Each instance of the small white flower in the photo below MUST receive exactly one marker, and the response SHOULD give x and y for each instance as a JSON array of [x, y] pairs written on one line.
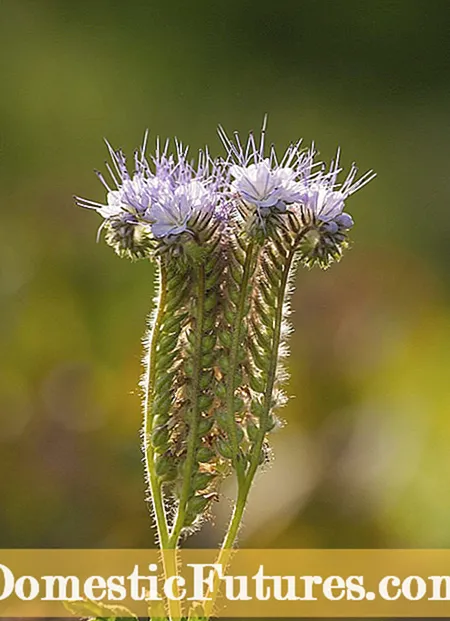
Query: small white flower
[[265, 182], [171, 212], [132, 197], [164, 194], [325, 197], [263, 186], [326, 204]]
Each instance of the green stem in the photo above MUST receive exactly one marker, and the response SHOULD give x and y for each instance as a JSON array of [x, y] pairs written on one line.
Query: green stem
[[169, 564], [149, 454], [246, 483], [244, 489], [194, 410], [234, 358], [271, 377]]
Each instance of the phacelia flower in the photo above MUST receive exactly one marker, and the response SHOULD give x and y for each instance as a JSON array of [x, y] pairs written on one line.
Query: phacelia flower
[[322, 203], [325, 198], [160, 200], [171, 212], [265, 183]]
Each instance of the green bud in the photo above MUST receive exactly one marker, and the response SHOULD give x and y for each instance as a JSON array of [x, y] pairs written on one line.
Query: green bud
[[222, 419], [205, 402], [221, 389], [212, 279], [209, 340], [225, 338], [257, 408], [235, 272], [256, 382], [224, 362], [175, 301], [209, 322], [234, 295], [205, 454], [173, 321], [188, 367], [239, 434], [224, 448], [272, 422], [201, 480], [229, 315], [165, 468], [239, 404], [197, 504], [211, 264], [168, 342], [160, 437], [210, 301], [205, 425], [252, 430], [193, 251], [208, 360], [164, 382], [206, 380], [191, 337], [160, 419], [258, 357]]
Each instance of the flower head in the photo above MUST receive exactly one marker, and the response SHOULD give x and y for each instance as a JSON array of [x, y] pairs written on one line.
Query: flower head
[[322, 204], [162, 197], [171, 211], [266, 183], [325, 198]]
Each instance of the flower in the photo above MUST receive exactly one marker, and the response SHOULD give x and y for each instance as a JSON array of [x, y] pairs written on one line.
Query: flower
[[171, 211], [261, 185], [321, 209], [162, 196], [325, 198], [128, 196], [264, 182]]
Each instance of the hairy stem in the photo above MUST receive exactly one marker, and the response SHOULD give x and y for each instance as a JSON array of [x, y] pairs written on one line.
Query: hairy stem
[[246, 482], [256, 453], [234, 358], [149, 454], [194, 410]]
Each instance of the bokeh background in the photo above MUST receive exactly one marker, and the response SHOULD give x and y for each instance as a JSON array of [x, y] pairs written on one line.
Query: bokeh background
[[364, 460]]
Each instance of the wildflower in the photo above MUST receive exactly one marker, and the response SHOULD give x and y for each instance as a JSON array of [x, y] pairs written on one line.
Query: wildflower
[[322, 203], [325, 198], [171, 212], [160, 200], [264, 182]]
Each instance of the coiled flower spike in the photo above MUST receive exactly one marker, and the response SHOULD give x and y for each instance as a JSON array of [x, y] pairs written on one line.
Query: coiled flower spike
[[262, 184], [167, 200], [322, 205]]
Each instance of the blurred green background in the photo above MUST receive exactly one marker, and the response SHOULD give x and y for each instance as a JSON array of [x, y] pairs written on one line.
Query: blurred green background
[[364, 460]]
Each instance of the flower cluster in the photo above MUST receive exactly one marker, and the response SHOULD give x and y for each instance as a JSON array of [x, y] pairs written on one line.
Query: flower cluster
[[226, 235], [160, 200], [165, 197]]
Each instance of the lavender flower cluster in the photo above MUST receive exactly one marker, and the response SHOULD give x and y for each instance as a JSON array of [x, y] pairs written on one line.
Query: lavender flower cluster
[[164, 198]]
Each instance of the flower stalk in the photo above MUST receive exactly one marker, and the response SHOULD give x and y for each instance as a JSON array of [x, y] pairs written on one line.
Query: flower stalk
[[226, 236], [193, 410], [148, 398]]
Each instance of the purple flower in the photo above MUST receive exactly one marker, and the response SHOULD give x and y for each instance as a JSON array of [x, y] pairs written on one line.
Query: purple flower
[[171, 211], [163, 194], [264, 182], [325, 197]]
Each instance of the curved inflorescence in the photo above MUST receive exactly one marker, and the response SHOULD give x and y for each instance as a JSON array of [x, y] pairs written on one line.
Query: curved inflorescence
[[226, 235]]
